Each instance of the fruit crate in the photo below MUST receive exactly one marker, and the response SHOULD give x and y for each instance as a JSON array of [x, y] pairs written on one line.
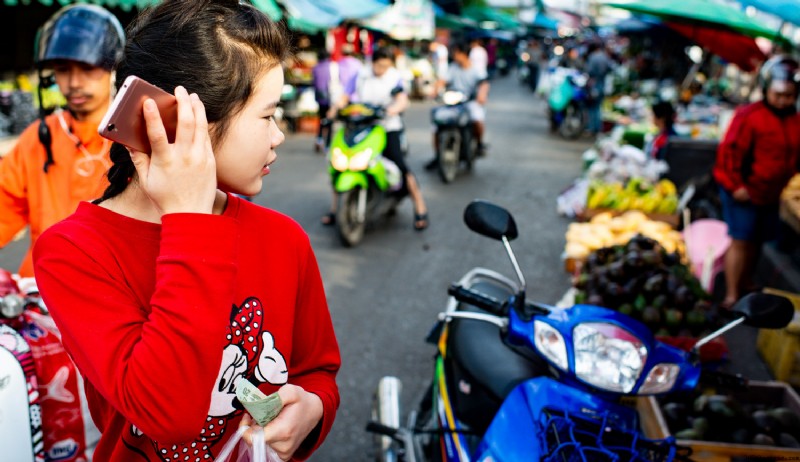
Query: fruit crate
[[671, 219], [654, 426], [780, 348]]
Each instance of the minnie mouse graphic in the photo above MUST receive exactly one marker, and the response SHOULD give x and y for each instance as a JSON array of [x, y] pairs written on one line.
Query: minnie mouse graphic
[[250, 353]]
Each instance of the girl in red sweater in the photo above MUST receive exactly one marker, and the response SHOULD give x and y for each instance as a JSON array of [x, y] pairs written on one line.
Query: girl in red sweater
[[168, 289]]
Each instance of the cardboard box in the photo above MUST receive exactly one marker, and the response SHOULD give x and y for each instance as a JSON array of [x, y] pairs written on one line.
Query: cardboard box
[[776, 394]]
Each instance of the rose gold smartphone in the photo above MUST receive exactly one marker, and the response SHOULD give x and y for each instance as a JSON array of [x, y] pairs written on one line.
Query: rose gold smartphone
[[124, 121]]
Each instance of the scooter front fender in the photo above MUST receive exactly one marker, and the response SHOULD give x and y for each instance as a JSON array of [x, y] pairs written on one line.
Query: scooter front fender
[[345, 181]]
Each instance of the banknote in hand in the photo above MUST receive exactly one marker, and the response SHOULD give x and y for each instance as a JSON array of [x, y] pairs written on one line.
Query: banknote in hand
[[261, 407]]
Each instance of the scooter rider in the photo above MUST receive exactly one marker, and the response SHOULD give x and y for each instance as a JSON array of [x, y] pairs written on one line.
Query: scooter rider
[[463, 76], [381, 84], [61, 160]]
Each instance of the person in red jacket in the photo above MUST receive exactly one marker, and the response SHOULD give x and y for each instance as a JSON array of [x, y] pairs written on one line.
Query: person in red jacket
[[61, 160], [755, 160], [169, 289]]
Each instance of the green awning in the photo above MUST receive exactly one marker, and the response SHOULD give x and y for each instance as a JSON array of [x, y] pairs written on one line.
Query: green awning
[[482, 14], [699, 12], [453, 22]]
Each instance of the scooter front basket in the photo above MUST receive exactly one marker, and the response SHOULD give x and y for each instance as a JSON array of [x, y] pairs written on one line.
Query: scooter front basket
[[576, 437]]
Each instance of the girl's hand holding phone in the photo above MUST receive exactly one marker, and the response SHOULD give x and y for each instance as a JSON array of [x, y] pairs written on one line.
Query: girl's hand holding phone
[[301, 412], [178, 177]]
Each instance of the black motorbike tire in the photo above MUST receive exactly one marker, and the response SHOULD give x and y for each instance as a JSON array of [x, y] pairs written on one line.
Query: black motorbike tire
[[351, 231], [471, 152], [449, 155], [574, 122]]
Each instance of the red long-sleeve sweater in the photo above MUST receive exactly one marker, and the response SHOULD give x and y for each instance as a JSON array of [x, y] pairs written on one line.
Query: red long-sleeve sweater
[[767, 145], [162, 319]]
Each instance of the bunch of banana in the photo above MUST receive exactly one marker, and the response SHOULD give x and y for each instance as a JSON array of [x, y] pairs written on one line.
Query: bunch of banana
[[605, 230], [638, 194], [792, 190]]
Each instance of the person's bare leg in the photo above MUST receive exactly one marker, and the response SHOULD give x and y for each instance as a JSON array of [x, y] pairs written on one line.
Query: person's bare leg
[[330, 217], [478, 130], [736, 261], [420, 209]]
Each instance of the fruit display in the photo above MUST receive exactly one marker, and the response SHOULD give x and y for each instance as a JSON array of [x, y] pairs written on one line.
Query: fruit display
[[790, 203], [606, 230], [637, 194], [730, 419], [643, 280]]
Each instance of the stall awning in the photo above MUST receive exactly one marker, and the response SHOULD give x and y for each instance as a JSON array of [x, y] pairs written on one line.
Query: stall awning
[[786, 10], [324, 15], [405, 20], [483, 14], [705, 13]]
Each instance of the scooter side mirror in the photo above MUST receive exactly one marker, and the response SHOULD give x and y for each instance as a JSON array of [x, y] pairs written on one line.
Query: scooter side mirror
[[766, 311], [490, 220]]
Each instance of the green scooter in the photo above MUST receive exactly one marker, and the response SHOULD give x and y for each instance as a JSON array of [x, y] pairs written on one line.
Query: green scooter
[[368, 186]]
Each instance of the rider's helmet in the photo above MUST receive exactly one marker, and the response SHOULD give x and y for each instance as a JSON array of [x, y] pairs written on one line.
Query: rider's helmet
[[85, 33], [779, 69]]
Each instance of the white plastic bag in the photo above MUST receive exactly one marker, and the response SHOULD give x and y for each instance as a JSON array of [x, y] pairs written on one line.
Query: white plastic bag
[[258, 452]]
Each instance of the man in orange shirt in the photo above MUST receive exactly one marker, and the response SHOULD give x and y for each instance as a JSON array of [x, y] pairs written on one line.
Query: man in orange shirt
[[60, 160]]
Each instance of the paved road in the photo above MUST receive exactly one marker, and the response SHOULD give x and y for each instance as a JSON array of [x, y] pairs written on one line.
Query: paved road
[[385, 294]]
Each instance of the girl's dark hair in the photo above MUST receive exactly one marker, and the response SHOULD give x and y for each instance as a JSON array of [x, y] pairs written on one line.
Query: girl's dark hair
[[215, 48]]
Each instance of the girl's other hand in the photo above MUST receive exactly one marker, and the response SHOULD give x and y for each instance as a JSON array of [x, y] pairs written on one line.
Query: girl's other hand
[[301, 412], [178, 177]]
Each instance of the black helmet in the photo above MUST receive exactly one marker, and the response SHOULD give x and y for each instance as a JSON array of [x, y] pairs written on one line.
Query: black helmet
[[779, 69], [85, 33]]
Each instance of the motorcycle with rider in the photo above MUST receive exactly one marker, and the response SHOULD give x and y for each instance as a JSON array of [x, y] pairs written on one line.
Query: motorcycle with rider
[[458, 138]]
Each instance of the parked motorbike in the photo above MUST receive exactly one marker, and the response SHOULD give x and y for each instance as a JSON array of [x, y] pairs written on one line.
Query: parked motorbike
[[368, 186], [567, 102], [456, 146], [43, 415], [521, 381]]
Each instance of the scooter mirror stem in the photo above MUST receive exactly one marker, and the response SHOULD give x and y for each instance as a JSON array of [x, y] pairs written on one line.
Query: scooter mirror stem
[[717, 333], [520, 276]]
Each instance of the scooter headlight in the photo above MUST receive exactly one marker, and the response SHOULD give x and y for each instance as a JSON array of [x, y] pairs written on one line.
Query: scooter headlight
[[550, 344], [453, 97], [360, 160], [661, 379], [339, 161], [608, 357]]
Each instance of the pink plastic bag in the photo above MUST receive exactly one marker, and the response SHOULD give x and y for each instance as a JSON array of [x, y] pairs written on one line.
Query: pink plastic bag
[[258, 452]]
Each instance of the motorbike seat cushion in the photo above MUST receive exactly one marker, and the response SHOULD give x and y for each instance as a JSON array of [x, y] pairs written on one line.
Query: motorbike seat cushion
[[478, 347]]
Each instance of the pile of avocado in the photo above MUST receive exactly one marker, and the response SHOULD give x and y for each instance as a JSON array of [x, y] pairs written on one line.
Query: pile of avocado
[[729, 419], [642, 280]]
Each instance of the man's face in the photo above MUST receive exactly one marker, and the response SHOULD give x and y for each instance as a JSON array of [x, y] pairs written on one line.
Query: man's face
[[782, 95], [461, 58], [86, 88]]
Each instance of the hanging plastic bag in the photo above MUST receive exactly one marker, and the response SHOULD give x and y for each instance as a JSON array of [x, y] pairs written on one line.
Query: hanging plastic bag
[[259, 451]]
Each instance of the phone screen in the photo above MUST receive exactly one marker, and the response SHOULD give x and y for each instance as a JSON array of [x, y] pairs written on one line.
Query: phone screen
[[124, 121]]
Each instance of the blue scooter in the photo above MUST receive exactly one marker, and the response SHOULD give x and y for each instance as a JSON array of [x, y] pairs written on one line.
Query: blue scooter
[[519, 381], [567, 102]]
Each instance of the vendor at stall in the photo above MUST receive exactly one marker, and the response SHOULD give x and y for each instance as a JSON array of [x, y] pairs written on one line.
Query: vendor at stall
[[758, 155], [664, 120]]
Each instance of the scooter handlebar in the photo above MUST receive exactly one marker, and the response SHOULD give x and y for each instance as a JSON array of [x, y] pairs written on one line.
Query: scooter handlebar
[[478, 299]]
